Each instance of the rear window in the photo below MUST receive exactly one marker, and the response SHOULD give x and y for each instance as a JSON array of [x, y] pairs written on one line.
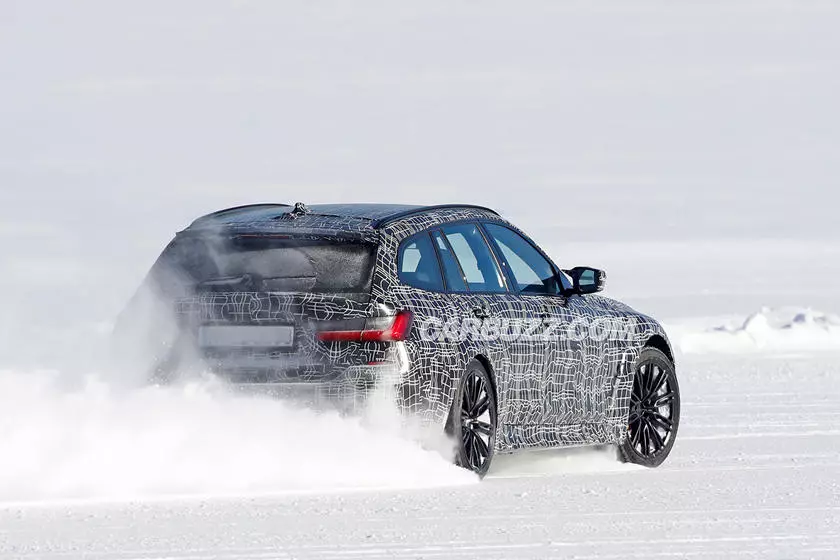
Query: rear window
[[267, 264]]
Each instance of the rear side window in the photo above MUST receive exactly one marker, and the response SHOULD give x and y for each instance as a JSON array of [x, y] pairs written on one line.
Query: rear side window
[[476, 260], [452, 272], [418, 264], [267, 264]]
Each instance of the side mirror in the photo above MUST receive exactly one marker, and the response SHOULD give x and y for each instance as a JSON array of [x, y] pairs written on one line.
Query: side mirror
[[587, 280]]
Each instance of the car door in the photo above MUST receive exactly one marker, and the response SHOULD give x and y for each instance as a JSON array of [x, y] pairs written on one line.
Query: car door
[[566, 381], [476, 281]]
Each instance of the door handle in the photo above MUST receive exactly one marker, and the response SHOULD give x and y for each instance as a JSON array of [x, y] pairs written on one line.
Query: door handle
[[481, 312]]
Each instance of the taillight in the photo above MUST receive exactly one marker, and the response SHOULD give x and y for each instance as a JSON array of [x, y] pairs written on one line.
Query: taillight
[[376, 329]]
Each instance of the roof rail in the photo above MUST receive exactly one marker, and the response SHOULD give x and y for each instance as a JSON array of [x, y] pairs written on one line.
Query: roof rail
[[376, 224]]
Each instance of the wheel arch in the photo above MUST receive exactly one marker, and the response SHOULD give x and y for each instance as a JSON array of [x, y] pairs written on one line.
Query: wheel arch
[[488, 367], [485, 362], [658, 341]]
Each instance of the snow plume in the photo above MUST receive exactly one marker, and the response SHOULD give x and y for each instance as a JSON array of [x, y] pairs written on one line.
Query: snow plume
[[66, 433], [94, 440]]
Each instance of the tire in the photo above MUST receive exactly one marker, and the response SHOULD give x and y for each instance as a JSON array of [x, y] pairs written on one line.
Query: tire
[[473, 420], [654, 412]]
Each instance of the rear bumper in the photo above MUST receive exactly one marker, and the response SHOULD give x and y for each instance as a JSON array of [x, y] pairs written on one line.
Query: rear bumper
[[383, 371], [345, 389]]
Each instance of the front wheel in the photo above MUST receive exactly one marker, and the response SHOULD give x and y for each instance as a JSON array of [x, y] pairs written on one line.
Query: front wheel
[[473, 420], [654, 414]]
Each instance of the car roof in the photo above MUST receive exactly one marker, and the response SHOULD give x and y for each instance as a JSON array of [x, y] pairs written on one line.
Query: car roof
[[377, 214], [370, 211]]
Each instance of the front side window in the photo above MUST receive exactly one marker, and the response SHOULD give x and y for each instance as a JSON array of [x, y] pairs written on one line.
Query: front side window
[[477, 262], [418, 264], [531, 270]]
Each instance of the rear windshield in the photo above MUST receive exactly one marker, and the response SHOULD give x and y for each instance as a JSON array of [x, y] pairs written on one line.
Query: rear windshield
[[266, 264]]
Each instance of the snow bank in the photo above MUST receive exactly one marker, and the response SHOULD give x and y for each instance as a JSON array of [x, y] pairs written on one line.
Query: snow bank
[[770, 330], [60, 439]]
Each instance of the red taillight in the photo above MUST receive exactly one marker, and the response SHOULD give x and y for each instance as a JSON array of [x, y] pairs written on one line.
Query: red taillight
[[399, 328], [340, 336], [374, 331]]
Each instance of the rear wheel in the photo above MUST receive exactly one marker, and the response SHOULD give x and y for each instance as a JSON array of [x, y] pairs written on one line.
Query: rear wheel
[[654, 410], [473, 420]]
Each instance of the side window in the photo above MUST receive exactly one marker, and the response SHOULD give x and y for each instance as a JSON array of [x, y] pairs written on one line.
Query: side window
[[476, 260], [451, 270], [418, 265], [531, 270]]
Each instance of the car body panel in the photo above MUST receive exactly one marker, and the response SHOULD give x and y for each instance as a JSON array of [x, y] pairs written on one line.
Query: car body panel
[[554, 391]]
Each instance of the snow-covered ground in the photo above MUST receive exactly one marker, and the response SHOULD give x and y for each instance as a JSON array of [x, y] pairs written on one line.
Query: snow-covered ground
[[754, 474], [688, 150]]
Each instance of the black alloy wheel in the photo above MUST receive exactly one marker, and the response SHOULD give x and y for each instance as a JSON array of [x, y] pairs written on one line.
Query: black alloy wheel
[[654, 414], [473, 420]]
